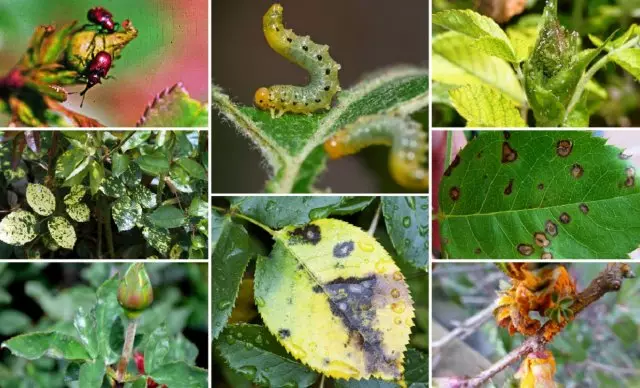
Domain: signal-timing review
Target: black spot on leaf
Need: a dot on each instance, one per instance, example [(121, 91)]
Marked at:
[(551, 228), (509, 188), (317, 289), (284, 333), (508, 154), (343, 249), (564, 148), (308, 234), (525, 249), (565, 218), (454, 193), (584, 208), (540, 186), (507, 135), (454, 164)]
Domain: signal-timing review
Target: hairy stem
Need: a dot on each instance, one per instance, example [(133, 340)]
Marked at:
[(374, 221), (586, 77), (127, 349)]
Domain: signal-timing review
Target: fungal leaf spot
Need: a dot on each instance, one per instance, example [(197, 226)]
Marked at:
[(565, 193), (349, 321)]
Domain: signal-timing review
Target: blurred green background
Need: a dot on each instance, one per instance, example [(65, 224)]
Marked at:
[(42, 296), (172, 46), (601, 348), (363, 36)]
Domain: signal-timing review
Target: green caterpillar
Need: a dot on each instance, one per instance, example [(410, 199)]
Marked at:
[(314, 58)]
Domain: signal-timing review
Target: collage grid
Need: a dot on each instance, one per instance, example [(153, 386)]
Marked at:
[(389, 223)]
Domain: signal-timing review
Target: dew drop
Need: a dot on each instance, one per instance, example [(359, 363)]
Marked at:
[(423, 230), (406, 221), (297, 351), (271, 206), (248, 345), (397, 320), (381, 266), (411, 202), (313, 346), (259, 302), (397, 276), (395, 293), (231, 340), (258, 339), (248, 371), (224, 305), (398, 307), (365, 246)]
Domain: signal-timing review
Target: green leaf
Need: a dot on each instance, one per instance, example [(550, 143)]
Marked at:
[(198, 208), (539, 194), (145, 197), (68, 161), (159, 238), (157, 348), (41, 199), (253, 352), (456, 62), (193, 168), (416, 369), (277, 212), (92, 373), (13, 321), (119, 163), (55, 345), (487, 34), (63, 305), (79, 212), (75, 195), (407, 224), (154, 164), (126, 213), (85, 324), (174, 108), (628, 59), (523, 35), (231, 254), (96, 175), (180, 374), (136, 140), (78, 173), (113, 187), (18, 228), (167, 217), (289, 141), (484, 106), (62, 232), (107, 311)]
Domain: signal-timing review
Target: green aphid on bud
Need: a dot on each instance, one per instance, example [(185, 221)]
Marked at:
[(135, 292)]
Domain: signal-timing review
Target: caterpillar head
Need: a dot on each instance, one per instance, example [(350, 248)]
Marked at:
[(262, 100)]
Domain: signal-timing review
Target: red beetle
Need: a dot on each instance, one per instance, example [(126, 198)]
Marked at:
[(102, 17), (97, 69)]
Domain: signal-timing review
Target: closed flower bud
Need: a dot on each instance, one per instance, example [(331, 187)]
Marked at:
[(135, 292)]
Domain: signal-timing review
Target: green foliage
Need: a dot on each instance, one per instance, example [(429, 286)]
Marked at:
[(483, 69), (250, 351), (152, 183), (88, 341), (292, 144), (539, 194)]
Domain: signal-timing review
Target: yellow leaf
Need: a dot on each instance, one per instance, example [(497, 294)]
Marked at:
[(537, 370), (336, 300)]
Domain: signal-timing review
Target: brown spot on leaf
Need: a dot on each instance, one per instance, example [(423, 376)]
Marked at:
[(565, 218), (508, 154), (525, 249), (507, 135), (477, 251), (509, 188), (584, 208), (454, 164), (577, 171), (551, 228), (541, 239), (546, 255), (479, 155), (630, 181), (454, 193), (564, 148), (540, 186)]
